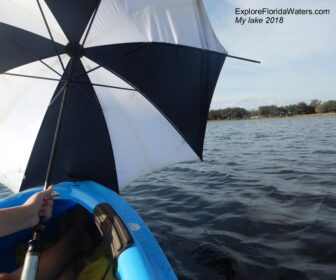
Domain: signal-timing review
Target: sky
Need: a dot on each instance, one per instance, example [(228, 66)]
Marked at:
[(298, 57)]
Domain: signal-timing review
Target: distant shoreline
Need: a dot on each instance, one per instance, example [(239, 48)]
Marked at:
[(315, 108), (294, 116), (279, 117)]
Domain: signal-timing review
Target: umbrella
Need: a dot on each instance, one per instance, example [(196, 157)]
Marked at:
[(102, 90)]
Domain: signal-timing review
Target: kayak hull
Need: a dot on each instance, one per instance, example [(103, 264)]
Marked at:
[(143, 259)]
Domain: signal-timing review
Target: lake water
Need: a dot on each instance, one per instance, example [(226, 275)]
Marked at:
[(262, 204)]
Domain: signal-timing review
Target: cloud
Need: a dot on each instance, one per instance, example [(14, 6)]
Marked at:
[(298, 56)]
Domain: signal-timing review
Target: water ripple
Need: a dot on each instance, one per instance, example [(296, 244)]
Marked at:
[(260, 206)]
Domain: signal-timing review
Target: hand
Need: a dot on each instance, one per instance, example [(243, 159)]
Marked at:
[(40, 205)]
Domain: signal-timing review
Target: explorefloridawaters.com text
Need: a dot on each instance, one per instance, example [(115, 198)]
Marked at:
[(273, 15)]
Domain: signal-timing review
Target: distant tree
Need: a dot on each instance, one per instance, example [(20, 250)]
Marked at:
[(214, 114), (269, 111), (282, 111), (237, 113), (228, 114), (291, 110), (330, 106), (320, 109), (326, 107), (315, 103), (303, 108), (253, 113), (310, 110)]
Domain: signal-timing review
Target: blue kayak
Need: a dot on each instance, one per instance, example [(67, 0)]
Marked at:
[(136, 254)]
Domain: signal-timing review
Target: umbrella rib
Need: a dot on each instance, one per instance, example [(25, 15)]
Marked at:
[(32, 77), (104, 64), (243, 58), (50, 34), (101, 85), (31, 55), (56, 95), (90, 25)]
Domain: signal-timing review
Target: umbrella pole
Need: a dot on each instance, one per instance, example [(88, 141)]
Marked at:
[(55, 140), (32, 258)]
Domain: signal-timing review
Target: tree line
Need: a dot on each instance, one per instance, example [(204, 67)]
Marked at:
[(314, 107)]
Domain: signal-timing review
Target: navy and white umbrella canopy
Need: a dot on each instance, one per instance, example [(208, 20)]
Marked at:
[(139, 76)]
